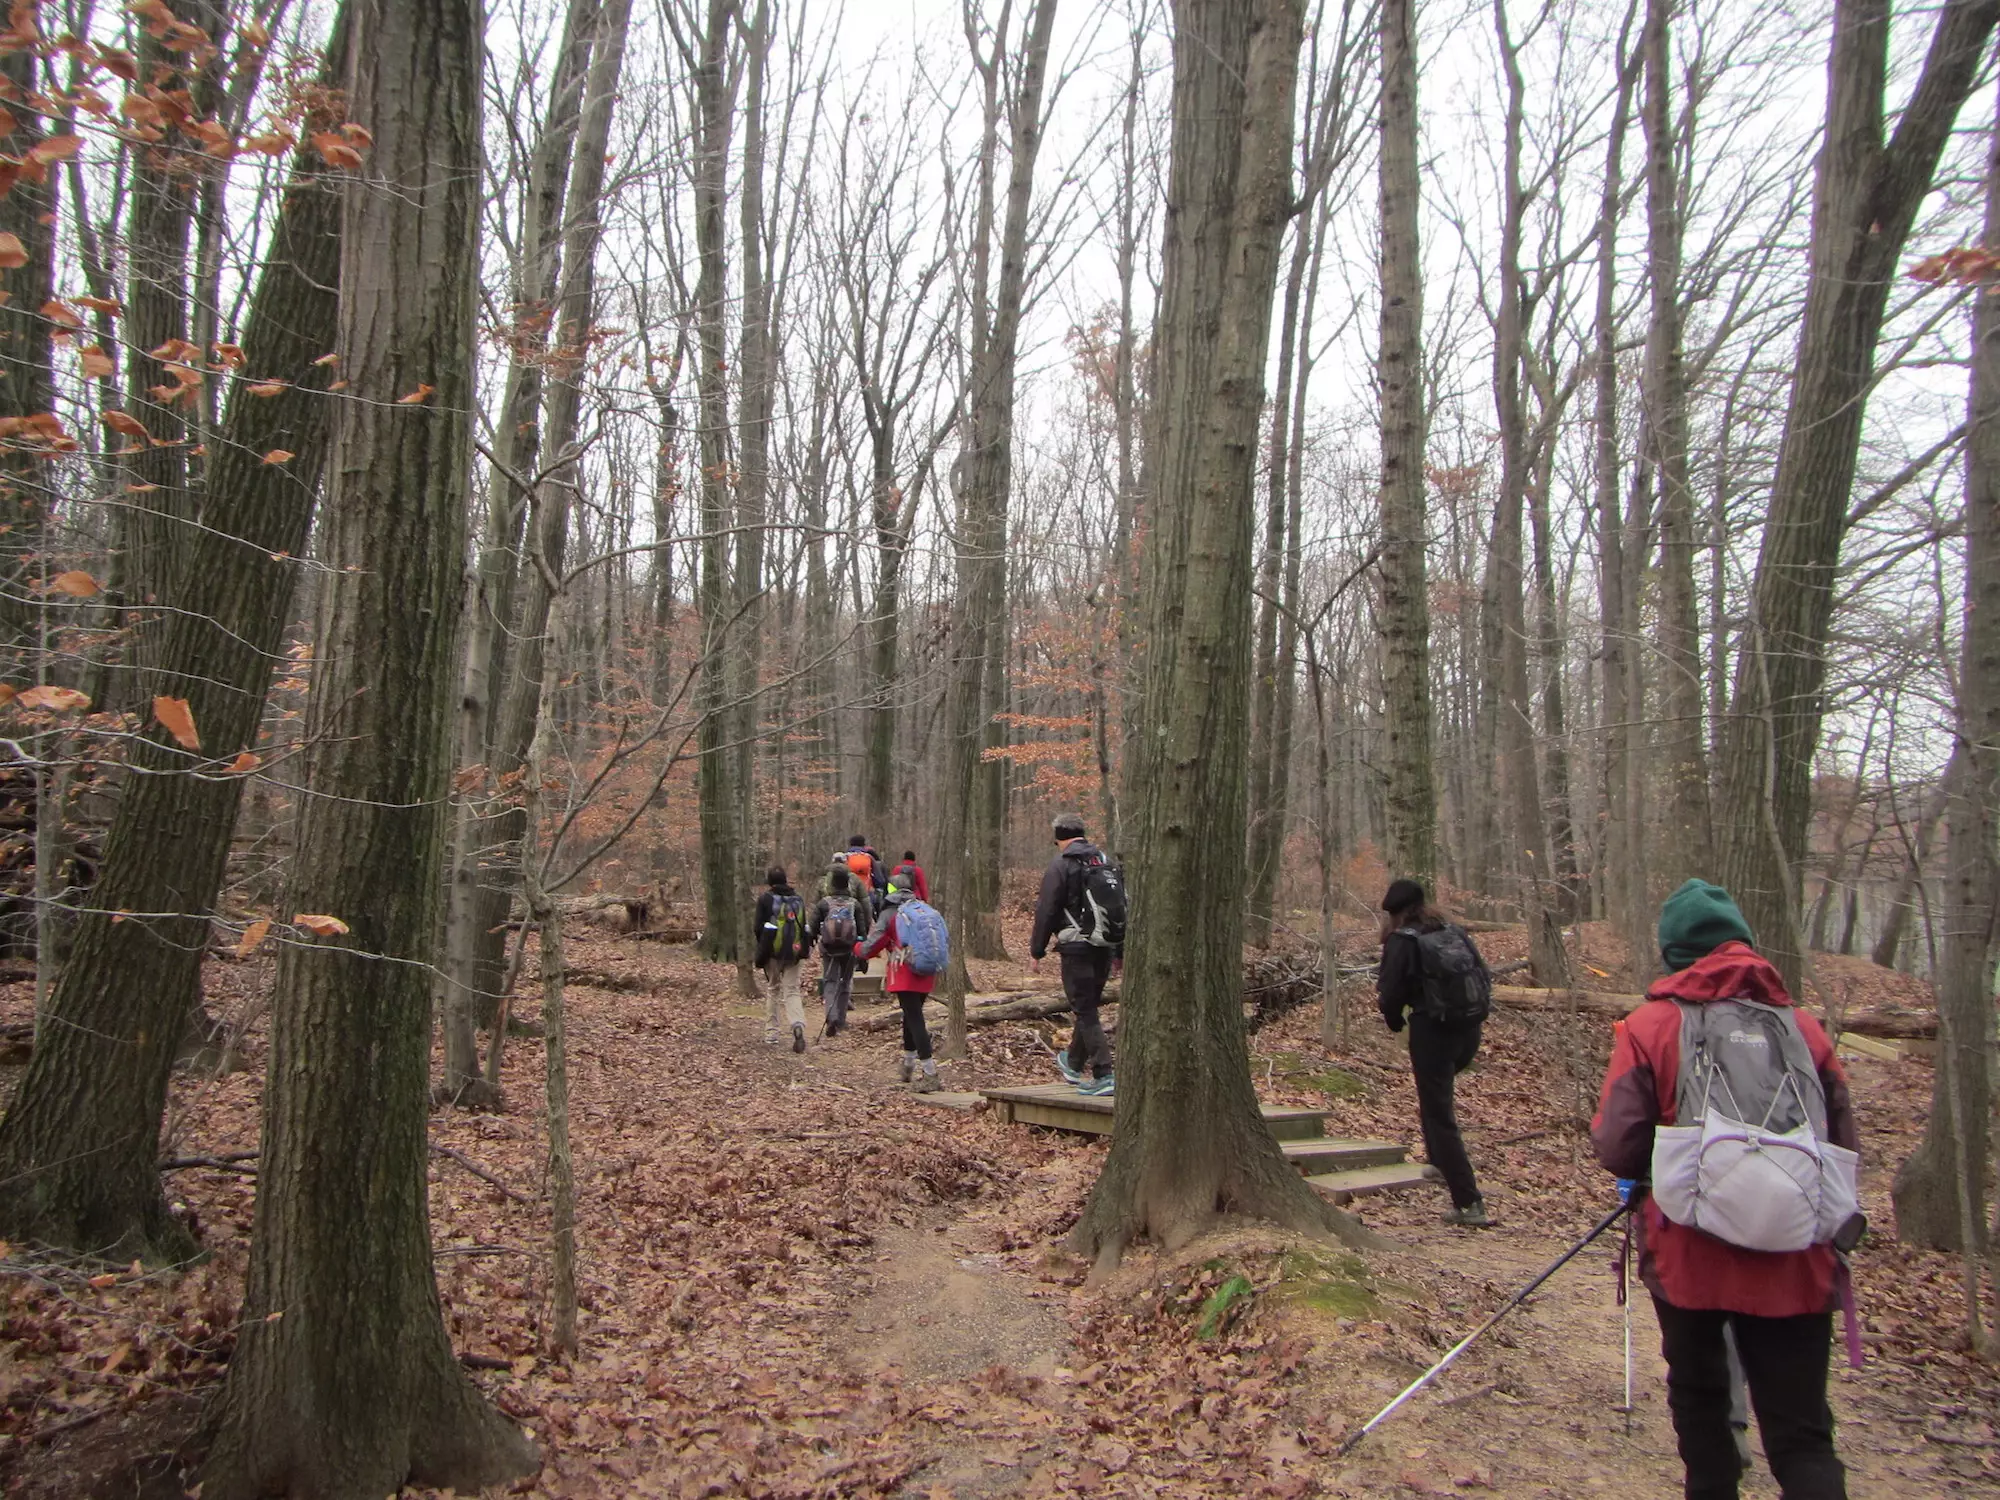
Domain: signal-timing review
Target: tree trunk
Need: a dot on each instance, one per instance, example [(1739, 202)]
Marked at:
[(485, 866), (1405, 617), (725, 937), (1946, 1175), (1190, 1143), (1515, 729), (1866, 194), (343, 1382), (27, 385), (80, 1141), (1916, 850), (1686, 849)]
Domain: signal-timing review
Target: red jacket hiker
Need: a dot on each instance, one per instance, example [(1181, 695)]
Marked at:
[(908, 870), (902, 979), (1681, 1265)]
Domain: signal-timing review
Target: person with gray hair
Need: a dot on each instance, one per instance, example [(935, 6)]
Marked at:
[(1082, 911)]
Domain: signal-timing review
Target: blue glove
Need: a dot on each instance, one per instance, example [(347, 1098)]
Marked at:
[(1629, 1188)]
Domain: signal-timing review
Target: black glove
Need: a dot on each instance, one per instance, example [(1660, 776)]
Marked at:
[(1393, 1025)]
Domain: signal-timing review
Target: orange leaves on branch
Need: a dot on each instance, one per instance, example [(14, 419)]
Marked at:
[(42, 432), (265, 389), (55, 148), (1966, 265), (342, 149), (279, 456), (319, 924), (417, 397), (253, 937), (177, 719), (103, 305), (61, 700), (245, 763), (76, 583), (62, 314), (97, 365), (125, 423), (13, 254), (230, 356)]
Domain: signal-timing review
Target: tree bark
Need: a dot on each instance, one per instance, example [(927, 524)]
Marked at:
[(1404, 619), (1686, 847), (343, 1383), (80, 1141), (1916, 850), (755, 399), (27, 382), (1866, 194), (1190, 1143), (1515, 729), (1946, 1175)]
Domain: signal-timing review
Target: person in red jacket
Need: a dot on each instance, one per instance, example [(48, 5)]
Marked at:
[(906, 987), (1778, 1306), (912, 874)]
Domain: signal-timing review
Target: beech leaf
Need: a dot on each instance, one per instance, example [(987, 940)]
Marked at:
[(76, 583), (319, 924), (61, 700), (178, 720), (13, 254), (245, 763), (279, 456), (265, 389), (417, 397), (253, 937)]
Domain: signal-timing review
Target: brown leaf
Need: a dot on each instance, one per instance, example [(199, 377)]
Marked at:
[(319, 924), (125, 422), (97, 365), (178, 720), (279, 456), (76, 583), (13, 254), (253, 937), (417, 397), (245, 763), (335, 151), (56, 148), (265, 389)]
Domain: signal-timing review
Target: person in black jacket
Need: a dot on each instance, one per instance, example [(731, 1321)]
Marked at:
[(1441, 1047), (836, 949), (1089, 958), (781, 943)]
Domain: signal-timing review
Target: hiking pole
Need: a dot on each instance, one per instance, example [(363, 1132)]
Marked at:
[(1625, 1301), (1347, 1444)]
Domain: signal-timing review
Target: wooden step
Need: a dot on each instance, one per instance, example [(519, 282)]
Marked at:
[(1341, 1186), (1061, 1107), (868, 985), (1330, 1154)]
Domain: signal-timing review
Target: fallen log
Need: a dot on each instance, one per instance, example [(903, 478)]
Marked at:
[(1592, 1002), (985, 1010)]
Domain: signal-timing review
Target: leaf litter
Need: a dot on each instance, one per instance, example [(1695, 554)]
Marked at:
[(766, 1243)]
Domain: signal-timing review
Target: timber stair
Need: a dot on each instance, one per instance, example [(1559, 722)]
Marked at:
[(1341, 1168)]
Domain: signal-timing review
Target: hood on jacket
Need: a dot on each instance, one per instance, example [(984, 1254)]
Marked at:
[(1734, 971), (1081, 849)]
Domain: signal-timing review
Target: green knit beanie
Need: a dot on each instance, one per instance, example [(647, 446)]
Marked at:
[(1697, 919)]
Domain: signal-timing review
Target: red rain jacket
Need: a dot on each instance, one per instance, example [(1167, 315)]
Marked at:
[(1680, 1265), (901, 979)]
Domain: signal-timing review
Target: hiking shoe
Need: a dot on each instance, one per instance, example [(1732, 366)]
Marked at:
[(927, 1082), (1097, 1086), (798, 1036), (909, 1066), (1071, 1076), (1472, 1216)]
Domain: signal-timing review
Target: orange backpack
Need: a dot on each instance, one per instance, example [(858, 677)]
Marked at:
[(861, 864)]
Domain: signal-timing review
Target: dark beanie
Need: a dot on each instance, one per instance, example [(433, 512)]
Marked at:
[(1697, 919), (1403, 895)]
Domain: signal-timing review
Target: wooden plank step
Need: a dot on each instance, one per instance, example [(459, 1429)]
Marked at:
[(869, 985), (1341, 1186), (1330, 1154), (1061, 1107)]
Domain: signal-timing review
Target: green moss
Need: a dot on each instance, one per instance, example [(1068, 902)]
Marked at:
[(1216, 1311), (1337, 1283), (1335, 1083)]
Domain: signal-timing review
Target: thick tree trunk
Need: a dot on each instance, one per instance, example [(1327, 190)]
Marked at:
[(725, 936), (1404, 618), (80, 1141), (343, 1382), (1866, 194), (1190, 1143), (1686, 847), (1942, 1186), (754, 405)]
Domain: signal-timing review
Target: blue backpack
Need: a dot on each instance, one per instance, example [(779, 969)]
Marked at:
[(921, 928)]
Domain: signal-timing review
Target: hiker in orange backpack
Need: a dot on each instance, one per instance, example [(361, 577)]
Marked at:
[(866, 866)]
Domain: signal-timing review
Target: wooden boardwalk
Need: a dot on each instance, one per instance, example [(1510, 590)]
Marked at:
[(1341, 1168)]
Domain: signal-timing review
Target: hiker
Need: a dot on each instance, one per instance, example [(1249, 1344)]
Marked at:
[(781, 943), (1082, 911), (1432, 969), (913, 874), (866, 865), (836, 925), (1720, 1025), (913, 934)]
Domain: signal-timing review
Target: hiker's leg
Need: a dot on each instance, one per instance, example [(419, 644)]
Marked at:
[(1467, 1047), (1084, 975), (1433, 1059), (788, 994), (1698, 1397), (1784, 1363), (916, 1035), (772, 1004), (843, 986)]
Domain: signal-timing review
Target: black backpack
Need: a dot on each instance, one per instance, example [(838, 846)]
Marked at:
[(1457, 986), (1101, 886)]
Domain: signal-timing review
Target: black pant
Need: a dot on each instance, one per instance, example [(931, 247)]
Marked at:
[(916, 1035), (1084, 972), (1439, 1052), (836, 987), (1784, 1364)]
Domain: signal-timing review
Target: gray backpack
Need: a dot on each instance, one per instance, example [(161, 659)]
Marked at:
[(1747, 1159)]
